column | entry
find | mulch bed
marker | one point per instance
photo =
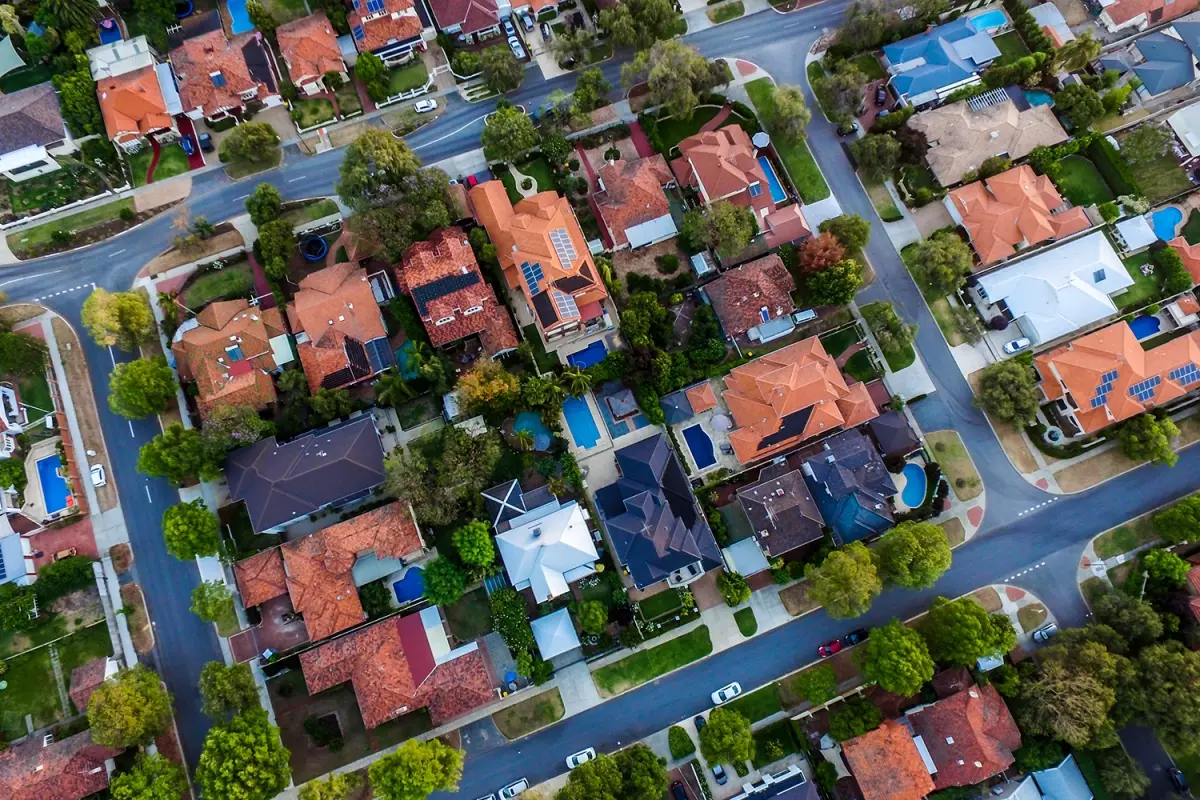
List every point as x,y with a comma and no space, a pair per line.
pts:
97,233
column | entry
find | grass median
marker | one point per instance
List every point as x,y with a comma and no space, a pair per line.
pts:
653,663
527,716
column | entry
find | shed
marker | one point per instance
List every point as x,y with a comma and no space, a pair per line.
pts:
555,634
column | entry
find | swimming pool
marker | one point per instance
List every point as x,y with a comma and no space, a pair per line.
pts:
701,446
777,192
581,422
239,18
55,493
913,493
531,421
1165,221
594,353
1144,327
1037,97
989,20
410,587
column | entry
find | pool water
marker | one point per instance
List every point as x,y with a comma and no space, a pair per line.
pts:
989,19
701,446
777,192
1165,221
239,18
1144,327
531,421
1039,98
410,587
594,353
54,487
913,493
581,422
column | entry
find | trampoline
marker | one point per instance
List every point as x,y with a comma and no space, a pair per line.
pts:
314,248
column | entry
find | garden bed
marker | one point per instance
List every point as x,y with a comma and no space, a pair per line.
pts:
311,112
726,12
44,193
228,283
348,101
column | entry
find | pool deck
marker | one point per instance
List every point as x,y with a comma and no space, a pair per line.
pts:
35,501
704,420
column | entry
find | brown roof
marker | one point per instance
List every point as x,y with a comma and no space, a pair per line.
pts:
196,61
309,48
261,577
132,105
1156,11
396,23
632,195
228,354
952,681
470,15
971,736
739,295
1193,577
85,680
785,225
721,164
781,510
887,765
69,769
30,117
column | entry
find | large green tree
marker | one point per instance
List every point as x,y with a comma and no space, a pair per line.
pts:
416,770
212,600
1008,391
501,70
722,226
439,479
244,759
943,261
853,718
374,169
179,455
374,74
444,581
790,116
914,554
598,779
1134,620
150,778
1080,104
897,659
676,75
473,543
1122,777
77,98
1070,695
252,142
277,243
118,319
644,773
141,387
835,285
264,204
1168,692
850,229
131,708
191,530
508,134
1147,437
846,582
1145,143
726,739
840,92
818,685
960,631
877,154
227,689
1180,522
640,23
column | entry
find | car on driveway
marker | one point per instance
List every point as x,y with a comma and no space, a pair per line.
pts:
582,757
881,94
1045,633
699,721
526,21
518,50
1178,780
206,142
726,693
545,29
514,789
678,792
188,146
1017,345
720,775
830,648
509,30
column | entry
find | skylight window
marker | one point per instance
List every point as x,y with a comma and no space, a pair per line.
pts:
755,189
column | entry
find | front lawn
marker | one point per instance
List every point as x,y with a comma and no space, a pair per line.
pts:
311,211
1161,178
537,169
35,392
653,663
231,282
1135,533
797,158
898,357
406,78
674,130
773,743
838,342
869,65
885,207
1079,180
664,602
726,12
1144,287
860,367
1011,47
758,704
31,691
956,462
469,617
527,716
746,622
312,111
172,161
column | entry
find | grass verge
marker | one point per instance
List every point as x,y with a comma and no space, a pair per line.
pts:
759,704
727,12
1131,535
797,158
956,462
653,663
527,716
42,234
240,169
1031,616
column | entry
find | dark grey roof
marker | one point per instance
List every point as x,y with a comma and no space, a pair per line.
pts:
30,117
256,62
652,516
193,26
676,407
893,434
504,502
440,288
543,304
280,482
781,510
572,283
1169,63
850,466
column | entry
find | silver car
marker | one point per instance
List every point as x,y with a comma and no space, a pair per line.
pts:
1017,345
1045,633
517,49
514,789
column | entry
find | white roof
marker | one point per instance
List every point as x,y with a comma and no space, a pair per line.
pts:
117,58
166,85
652,231
1136,233
9,58
1061,289
745,557
281,348
1048,15
435,634
554,634
547,553
1186,124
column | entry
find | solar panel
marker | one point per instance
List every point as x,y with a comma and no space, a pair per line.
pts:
1144,390
3,569
356,6
565,305
563,246
1109,377
533,275
358,32
1099,401
1186,375
374,6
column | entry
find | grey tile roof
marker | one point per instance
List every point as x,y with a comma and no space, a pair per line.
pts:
30,117
781,510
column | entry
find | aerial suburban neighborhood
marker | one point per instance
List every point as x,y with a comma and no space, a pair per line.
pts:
599,399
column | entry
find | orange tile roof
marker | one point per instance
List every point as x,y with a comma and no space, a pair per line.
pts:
1078,366
203,354
85,680
1013,210
632,195
1189,254
887,764
132,105
701,397
721,164
195,61
740,294
398,22
971,736
1188,305
309,48
260,577
790,395
1157,11
67,769
785,225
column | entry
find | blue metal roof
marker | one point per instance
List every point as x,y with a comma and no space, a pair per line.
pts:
1064,782
952,52
1169,63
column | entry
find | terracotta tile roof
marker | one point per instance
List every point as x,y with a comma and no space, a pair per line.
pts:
1079,366
397,23
971,736
197,59
132,105
261,577
790,395
445,281
499,336
459,686
85,680
1193,577
309,48
1194,607
701,397
887,765
462,201
1157,11
471,16
739,295
632,195
785,225
1188,305
1190,254
721,164
1013,210
69,769
389,532
203,354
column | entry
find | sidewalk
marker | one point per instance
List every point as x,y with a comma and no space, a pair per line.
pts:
912,381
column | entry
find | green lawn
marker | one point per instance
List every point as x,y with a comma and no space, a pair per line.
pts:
546,362
225,284
35,391
1011,47
470,616
1191,229
859,367
1144,286
283,11
881,199
172,162
869,65
782,735
30,691
899,358
312,211
956,462
919,177
1161,178
348,100
726,12
1079,180
538,169
406,78
797,159
838,342
40,235
674,130
312,111
758,704
659,604
654,662
1134,533
86,645
746,622
529,715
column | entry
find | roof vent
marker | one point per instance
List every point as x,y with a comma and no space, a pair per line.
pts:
779,492
973,693
47,740
961,762
537,532
330,322
350,306
830,459
341,317
994,135
978,765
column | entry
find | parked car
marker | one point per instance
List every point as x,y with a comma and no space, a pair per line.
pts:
509,30
855,637
1179,780
830,648
849,129
567,63
881,113
881,94
68,553
188,146
206,142
98,477
425,106
582,757
726,693
1045,633
699,721
517,49
1017,345
488,797
514,789
719,775
545,29
678,792
526,21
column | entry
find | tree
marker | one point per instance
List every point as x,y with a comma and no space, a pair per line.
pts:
264,204
150,778
1165,569
555,148
255,142
243,759
850,229
70,13
593,616
864,24
392,390
501,70
437,481
330,404
227,689
444,582
598,779
77,95
1147,437
212,600
644,773
877,154
488,388
508,134
961,631
1145,144
473,542
821,252
572,45
640,23
1080,104
140,388
416,770
840,92
260,16
676,75
12,475
1166,693
914,554
944,261
191,530
818,685
337,786
645,322
834,286
992,166
374,74
790,117
853,718
1078,53
1036,754
1065,702
897,658
733,588
722,226
21,354
575,381
1180,523
118,319
846,582
228,427
591,92
131,708
276,243
726,739
1007,391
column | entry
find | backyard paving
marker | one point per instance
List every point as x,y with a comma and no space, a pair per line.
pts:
931,217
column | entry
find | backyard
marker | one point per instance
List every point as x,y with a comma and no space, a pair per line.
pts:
469,617
35,392
172,161
869,65
1161,177
649,664
796,157
311,112
236,280
1145,287
674,130
1191,230
406,78
1011,47
1079,180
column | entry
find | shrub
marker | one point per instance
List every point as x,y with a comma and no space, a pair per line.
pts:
734,588
573,164
667,264
127,214
527,184
680,742
63,577
1109,211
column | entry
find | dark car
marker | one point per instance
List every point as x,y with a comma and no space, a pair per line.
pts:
720,775
1178,779
881,94
678,792
855,637
830,648
700,722
186,143
848,129
206,142
545,29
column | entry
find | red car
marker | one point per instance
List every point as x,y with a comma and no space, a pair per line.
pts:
830,648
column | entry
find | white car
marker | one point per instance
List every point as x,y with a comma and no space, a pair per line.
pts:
517,49
514,789
582,757
98,477
1017,345
425,106
726,693
1045,633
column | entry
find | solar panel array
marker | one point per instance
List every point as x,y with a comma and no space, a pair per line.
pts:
1186,375
1144,390
563,246
565,304
1106,384
358,32
533,275
374,6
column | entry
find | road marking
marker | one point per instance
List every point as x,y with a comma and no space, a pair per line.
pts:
131,433
1031,509
114,360
293,180
451,133
241,197
1025,571
739,38
148,497
27,277
122,250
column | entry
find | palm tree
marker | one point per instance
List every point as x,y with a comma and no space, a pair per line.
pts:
1079,52
391,389
418,355
575,381
72,13
524,439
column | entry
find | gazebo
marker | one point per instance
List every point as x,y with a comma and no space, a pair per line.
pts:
555,634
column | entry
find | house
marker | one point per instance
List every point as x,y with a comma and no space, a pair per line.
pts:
452,298
1058,290
754,301
66,769
683,404
1130,15
1186,124
1063,782
16,553
134,110
788,396
1106,377
653,520
310,51
1012,211
555,634
391,29
887,764
325,468
781,510
545,544
340,334
87,678
1163,61
1053,23
32,133
230,350
965,134
218,77
120,57
469,19
632,206
893,436
851,486
545,259
970,736
929,66
401,664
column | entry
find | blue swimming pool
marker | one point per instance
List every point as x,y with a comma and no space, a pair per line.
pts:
594,353
410,587
1037,97
1144,327
1165,221
54,487
531,421
701,446
581,422
239,18
777,192
989,19
913,493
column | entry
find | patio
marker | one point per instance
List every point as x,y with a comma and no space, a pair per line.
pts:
691,428
281,630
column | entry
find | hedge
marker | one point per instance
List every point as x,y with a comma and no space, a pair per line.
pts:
1113,167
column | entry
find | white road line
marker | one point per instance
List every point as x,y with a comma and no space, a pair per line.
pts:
148,497
241,197
131,433
451,133
293,180
117,253
110,353
739,38
28,277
